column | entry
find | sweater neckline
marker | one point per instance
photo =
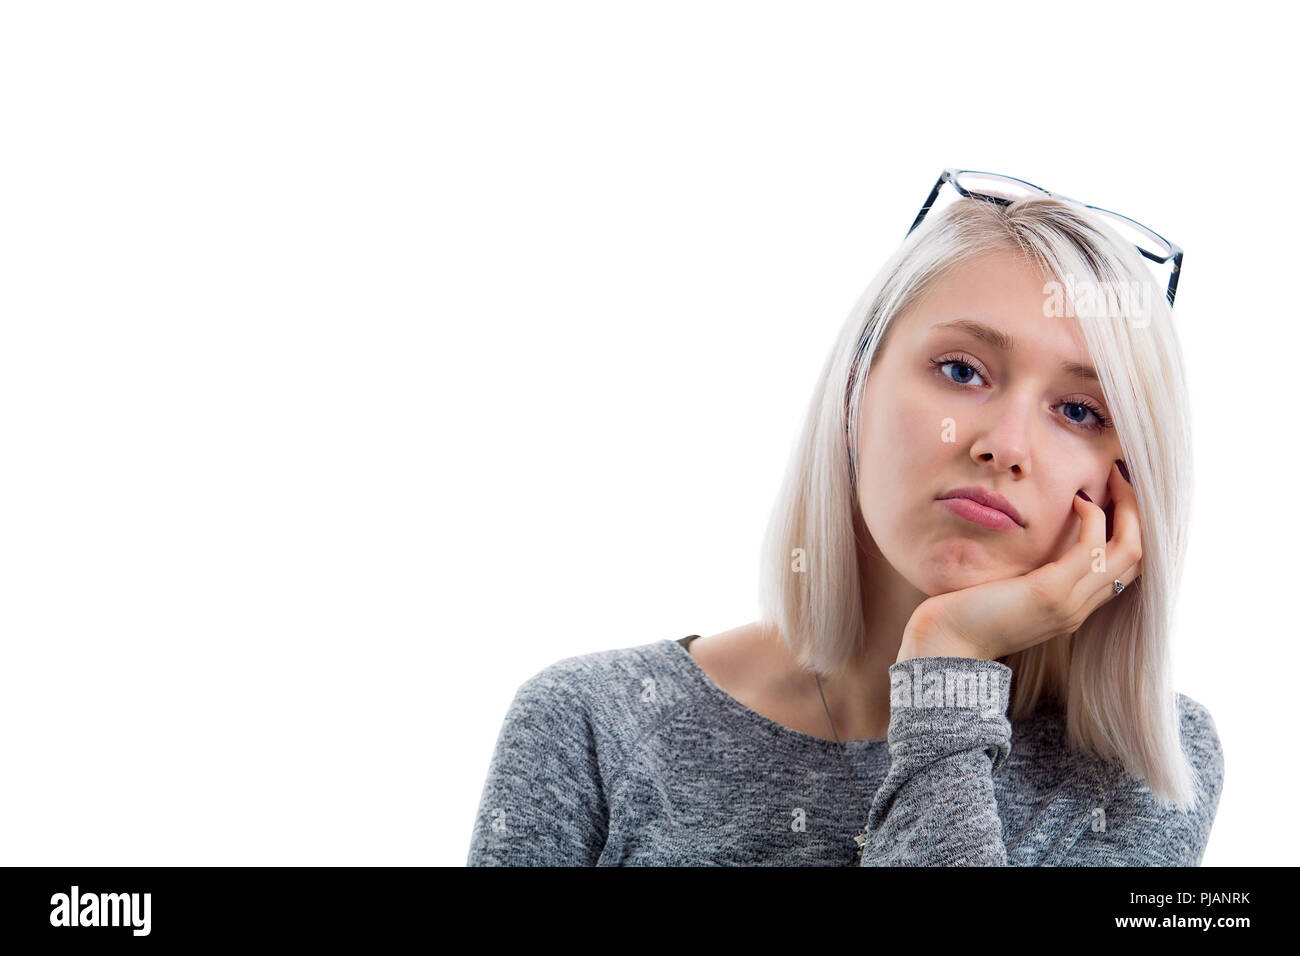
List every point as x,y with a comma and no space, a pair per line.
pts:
754,718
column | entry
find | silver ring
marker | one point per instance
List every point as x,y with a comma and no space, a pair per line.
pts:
1118,587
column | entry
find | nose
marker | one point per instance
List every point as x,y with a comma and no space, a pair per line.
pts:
1001,429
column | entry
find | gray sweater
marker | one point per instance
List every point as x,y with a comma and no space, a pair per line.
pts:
635,757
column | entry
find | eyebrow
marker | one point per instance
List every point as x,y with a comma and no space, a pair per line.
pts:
1005,343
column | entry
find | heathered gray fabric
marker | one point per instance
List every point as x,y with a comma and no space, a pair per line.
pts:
635,757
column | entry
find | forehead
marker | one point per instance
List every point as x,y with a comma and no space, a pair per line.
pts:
1003,291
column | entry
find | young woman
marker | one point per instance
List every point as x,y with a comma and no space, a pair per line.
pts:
957,663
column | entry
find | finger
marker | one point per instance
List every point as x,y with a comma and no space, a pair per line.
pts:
1079,559
1091,561
1078,578
1063,576
1124,550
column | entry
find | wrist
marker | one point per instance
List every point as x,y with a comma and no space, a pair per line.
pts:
934,644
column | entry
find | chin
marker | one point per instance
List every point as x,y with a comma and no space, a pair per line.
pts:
955,577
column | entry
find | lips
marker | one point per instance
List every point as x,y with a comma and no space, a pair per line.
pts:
983,507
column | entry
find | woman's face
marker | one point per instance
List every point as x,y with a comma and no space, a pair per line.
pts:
1010,420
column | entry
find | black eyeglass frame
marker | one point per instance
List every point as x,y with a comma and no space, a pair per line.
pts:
950,176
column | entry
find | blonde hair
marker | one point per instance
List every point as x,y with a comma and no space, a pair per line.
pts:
1114,674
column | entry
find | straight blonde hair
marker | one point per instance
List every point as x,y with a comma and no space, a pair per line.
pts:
1113,675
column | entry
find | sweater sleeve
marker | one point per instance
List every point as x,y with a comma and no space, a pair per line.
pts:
543,803
1134,828
948,733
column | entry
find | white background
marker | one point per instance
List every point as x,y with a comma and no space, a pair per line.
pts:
360,360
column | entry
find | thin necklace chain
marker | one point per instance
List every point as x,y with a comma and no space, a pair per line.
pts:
860,839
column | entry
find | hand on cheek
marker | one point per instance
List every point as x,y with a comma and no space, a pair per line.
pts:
998,618
1105,501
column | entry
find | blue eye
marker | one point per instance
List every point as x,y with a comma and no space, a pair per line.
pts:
960,363
966,369
1101,423
963,368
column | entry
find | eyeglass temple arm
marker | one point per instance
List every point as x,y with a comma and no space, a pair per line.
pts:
928,203
1173,277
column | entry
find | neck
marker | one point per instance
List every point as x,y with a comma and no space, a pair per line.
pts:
858,696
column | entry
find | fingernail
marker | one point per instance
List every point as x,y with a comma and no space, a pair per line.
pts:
1082,494
1123,471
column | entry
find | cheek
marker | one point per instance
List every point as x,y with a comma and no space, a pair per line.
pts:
1058,522
901,426
901,450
